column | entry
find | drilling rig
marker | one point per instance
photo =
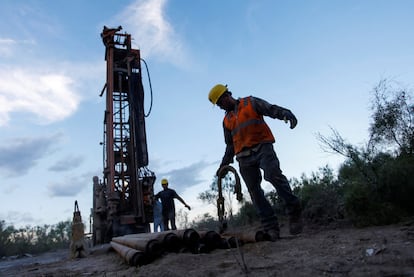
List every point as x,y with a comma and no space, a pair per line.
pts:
123,200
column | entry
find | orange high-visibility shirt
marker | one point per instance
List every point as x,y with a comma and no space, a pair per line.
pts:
247,127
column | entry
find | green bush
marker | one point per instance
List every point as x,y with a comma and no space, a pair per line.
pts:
205,222
321,197
247,215
364,209
397,183
380,192
33,240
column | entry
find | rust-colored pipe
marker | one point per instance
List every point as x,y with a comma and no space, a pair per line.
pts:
151,247
169,240
189,237
132,256
211,239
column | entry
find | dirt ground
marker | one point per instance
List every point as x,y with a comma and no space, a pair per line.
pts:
344,251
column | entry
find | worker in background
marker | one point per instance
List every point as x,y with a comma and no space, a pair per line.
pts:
249,138
167,197
158,222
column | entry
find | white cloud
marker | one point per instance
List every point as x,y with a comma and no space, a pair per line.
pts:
9,47
6,47
48,96
152,32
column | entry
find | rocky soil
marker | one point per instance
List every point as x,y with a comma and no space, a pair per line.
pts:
341,251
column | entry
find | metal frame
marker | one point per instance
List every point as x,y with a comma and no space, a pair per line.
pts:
127,182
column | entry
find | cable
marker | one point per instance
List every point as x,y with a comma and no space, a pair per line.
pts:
149,81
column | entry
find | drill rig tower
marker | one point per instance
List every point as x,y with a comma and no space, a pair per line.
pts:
122,203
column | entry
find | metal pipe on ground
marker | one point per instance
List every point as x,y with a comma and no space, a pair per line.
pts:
172,242
169,240
189,237
132,256
211,239
151,247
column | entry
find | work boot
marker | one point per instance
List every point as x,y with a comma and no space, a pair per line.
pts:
295,223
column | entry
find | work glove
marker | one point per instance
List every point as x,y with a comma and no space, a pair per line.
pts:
287,115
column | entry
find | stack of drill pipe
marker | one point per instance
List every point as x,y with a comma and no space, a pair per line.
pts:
249,237
169,240
189,238
152,248
210,239
132,256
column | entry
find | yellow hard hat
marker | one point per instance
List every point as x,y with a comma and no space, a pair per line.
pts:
216,92
164,182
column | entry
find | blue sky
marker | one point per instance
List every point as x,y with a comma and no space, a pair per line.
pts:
321,59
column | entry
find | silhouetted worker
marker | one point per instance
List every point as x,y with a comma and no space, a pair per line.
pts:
167,196
249,138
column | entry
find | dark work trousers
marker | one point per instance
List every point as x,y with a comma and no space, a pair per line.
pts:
169,216
266,159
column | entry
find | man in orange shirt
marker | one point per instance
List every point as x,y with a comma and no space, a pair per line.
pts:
249,138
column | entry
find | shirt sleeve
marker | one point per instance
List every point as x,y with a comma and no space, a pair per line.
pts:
265,108
229,153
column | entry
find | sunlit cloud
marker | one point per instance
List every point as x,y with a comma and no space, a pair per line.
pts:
152,32
50,97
